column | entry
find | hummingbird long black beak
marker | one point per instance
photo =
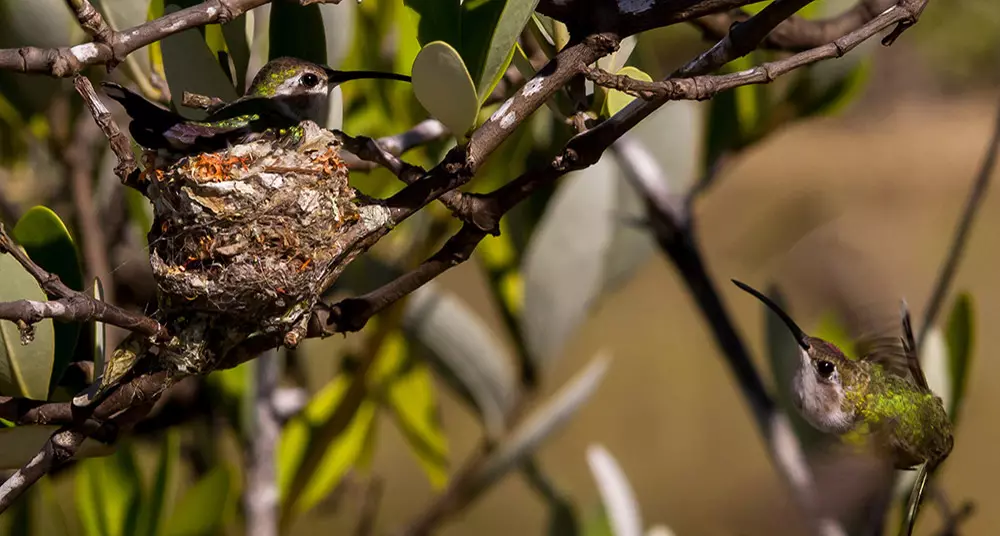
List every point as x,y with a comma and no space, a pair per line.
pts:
800,336
338,77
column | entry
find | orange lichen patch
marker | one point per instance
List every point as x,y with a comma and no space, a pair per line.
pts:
213,167
149,167
329,161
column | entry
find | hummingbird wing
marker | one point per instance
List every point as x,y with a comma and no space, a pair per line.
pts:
149,121
895,350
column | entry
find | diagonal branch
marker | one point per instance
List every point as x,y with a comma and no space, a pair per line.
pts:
743,38
969,211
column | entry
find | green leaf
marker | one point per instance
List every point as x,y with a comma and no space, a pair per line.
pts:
100,333
490,29
46,240
155,506
437,20
304,435
444,88
200,511
25,370
297,31
108,493
960,336
411,397
190,65
616,99
562,513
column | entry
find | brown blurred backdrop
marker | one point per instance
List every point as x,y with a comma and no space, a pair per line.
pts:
887,178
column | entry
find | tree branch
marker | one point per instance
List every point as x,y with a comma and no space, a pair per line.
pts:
796,34
72,305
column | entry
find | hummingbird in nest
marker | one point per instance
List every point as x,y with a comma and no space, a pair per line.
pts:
285,92
883,396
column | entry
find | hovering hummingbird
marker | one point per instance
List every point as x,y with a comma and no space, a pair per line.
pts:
284,92
883,395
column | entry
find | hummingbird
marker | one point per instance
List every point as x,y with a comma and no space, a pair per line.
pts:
284,92
883,394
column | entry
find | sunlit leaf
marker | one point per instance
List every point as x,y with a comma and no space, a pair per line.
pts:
201,508
961,338
411,396
25,370
304,449
616,99
444,88
47,241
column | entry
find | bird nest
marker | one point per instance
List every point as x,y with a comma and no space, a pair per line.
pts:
251,233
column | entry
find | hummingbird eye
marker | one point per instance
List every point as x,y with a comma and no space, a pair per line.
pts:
309,80
825,368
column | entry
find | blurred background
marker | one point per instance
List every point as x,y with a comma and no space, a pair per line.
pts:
865,190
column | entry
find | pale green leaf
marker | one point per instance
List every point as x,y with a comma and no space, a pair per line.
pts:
444,88
563,275
541,424
616,492
25,370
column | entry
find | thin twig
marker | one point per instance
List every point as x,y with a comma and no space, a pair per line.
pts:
743,37
126,168
961,237
79,161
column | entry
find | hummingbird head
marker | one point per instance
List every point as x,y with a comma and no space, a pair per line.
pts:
289,77
822,379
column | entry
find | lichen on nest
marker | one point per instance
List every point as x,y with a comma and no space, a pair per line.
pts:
250,233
